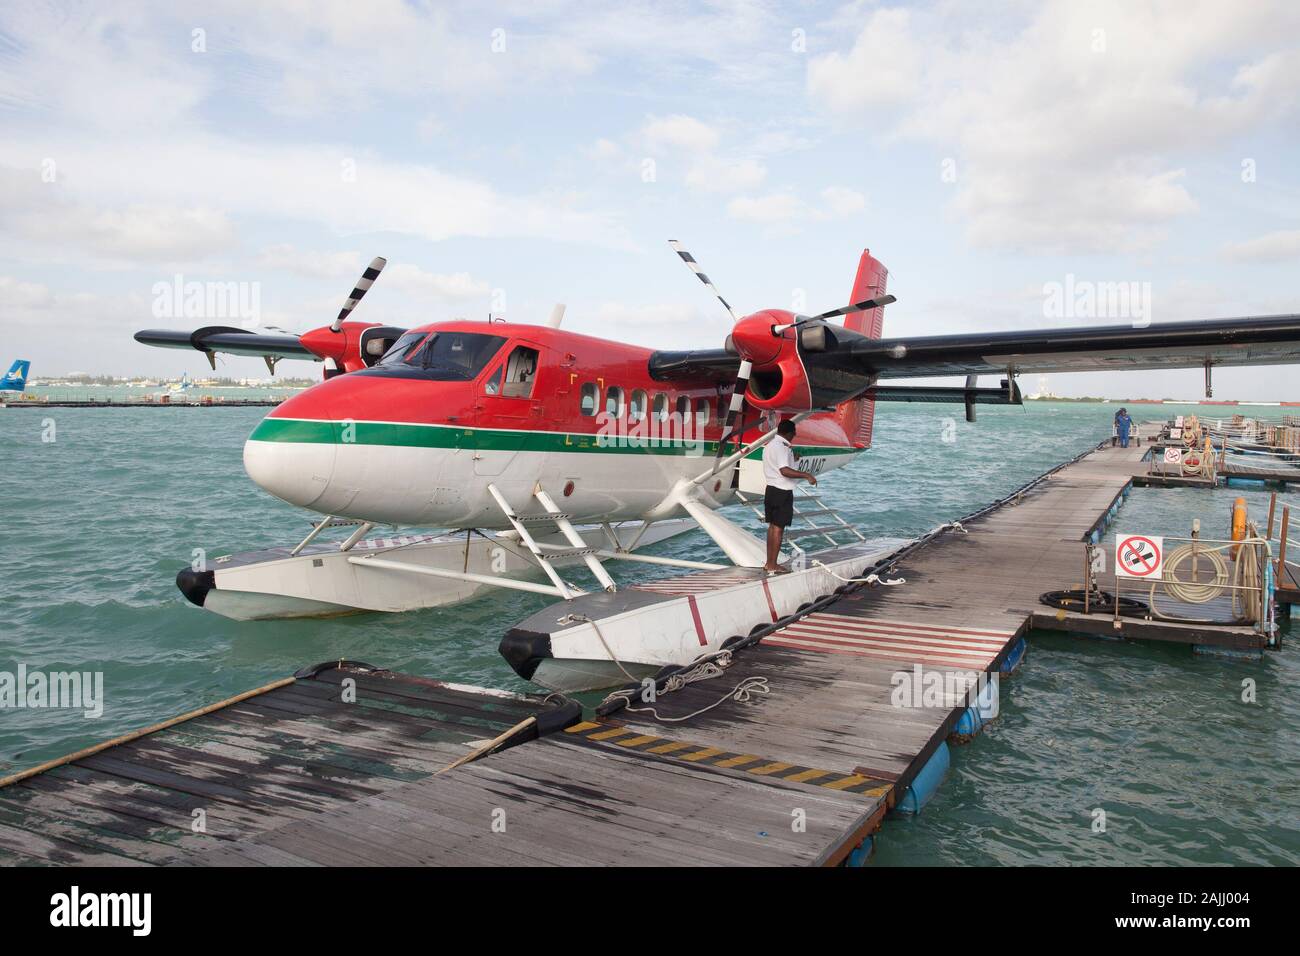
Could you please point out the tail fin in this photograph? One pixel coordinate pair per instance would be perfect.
(856, 417)
(15, 379)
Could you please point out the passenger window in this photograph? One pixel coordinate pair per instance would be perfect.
(636, 407)
(702, 412)
(614, 402)
(493, 384)
(661, 407)
(683, 408)
(521, 370)
(590, 398)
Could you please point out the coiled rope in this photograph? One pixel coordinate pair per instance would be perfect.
(1245, 578)
(704, 670)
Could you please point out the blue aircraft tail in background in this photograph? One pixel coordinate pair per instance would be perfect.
(15, 379)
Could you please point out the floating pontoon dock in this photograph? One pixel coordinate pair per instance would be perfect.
(340, 764)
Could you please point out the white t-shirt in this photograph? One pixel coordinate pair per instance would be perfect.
(777, 455)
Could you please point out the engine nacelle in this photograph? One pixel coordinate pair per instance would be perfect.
(355, 346)
(796, 368)
(778, 379)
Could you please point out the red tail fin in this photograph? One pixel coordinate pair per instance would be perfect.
(856, 417)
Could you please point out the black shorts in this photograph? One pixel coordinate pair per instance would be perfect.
(778, 506)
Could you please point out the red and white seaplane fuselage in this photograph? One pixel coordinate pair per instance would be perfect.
(409, 445)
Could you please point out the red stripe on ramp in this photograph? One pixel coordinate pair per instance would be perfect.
(699, 624)
(767, 593)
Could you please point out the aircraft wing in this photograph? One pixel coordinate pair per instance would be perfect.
(1255, 340)
(218, 338)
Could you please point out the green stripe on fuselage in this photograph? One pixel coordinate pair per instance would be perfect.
(488, 439)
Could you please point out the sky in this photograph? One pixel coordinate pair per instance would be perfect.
(505, 157)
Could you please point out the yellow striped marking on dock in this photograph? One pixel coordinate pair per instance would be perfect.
(618, 735)
(703, 753)
(607, 734)
(737, 761)
(670, 747)
(806, 775)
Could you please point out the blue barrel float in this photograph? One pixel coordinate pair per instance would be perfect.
(859, 855)
(1014, 658)
(1247, 483)
(926, 783)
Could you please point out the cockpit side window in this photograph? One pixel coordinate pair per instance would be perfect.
(521, 371)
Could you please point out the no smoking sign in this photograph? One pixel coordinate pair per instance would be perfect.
(1139, 556)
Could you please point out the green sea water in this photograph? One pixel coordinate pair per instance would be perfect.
(98, 520)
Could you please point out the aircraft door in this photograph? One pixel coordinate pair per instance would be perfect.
(508, 408)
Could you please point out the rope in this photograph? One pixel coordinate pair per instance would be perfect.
(1245, 579)
(705, 670)
(583, 619)
(869, 579)
(1193, 591)
(1248, 583)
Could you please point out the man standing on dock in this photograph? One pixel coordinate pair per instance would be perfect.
(1125, 425)
(778, 500)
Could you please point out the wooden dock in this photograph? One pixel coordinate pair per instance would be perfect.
(799, 768)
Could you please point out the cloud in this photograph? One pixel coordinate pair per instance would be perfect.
(50, 215)
(706, 170)
(110, 70)
(679, 132)
(1067, 128)
(837, 202)
(881, 69)
(160, 191)
(316, 265)
(841, 201)
(712, 174)
(1278, 246)
(455, 285)
(769, 209)
(17, 294)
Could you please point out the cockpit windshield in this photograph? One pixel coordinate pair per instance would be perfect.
(440, 356)
(403, 350)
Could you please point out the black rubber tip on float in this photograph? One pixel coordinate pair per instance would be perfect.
(315, 670)
(524, 651)
(555, 719)
(195, 585)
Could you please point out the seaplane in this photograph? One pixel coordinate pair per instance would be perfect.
(530, 450)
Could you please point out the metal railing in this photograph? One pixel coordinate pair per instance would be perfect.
(1284, 566)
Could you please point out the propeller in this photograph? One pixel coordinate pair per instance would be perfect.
(363, 286)
(778, 331)
(746, 366)
(862, 306)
